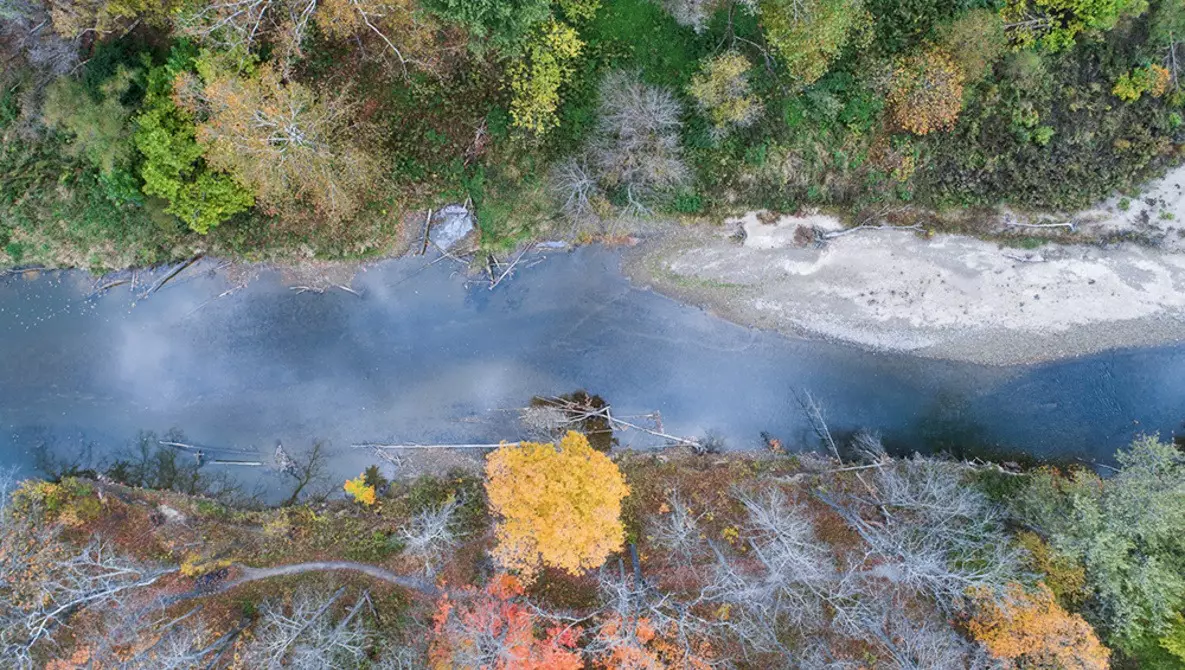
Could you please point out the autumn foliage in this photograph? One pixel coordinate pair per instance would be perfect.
(636, 643)
(283, 139)
(558, 505)
(536, 79)
(926, 93)
(1153, 80)
(808, 34)
(1065, 577)
(721, 88)
(494, 630)
(360, 491)
(1032, 630)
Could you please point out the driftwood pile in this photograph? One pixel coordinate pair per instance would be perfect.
(572, 415)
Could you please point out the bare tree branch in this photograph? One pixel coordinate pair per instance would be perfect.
(430, 534)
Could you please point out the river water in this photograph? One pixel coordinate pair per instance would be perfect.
(422, 357)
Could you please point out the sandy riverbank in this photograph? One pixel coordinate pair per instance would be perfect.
(949, 296)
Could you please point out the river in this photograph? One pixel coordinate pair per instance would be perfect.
(422, 357)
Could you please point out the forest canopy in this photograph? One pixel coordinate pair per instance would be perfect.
(135, 132)
(558, 556)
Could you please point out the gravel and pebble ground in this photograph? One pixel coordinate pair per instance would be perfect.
(943, 296)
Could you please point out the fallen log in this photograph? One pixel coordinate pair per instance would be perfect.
(194, 447)
(840, 233)
(510, 267)
(249, 574)
(1035, 258)
(619, 424)
(427, 229)
(434, 446)
(1069, 224)
(172, 273)
(21, 271)
(195, 310)
(578, 413)
(110, 285)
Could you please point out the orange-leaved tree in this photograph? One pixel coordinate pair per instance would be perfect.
(1032, 629)
(495, 630)
(926, 92)
(557, 504)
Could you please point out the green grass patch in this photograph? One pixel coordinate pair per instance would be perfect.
(511, 203)
(640, 35)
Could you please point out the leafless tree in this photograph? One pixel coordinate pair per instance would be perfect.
(625, 601)
(812, 409)
(8, 483)
(931, 533)
(431, 534)
(94, 576)
(678, 531)
(628, 601)
(574, 185)
(246, 23)
(401, 657)
(786, 579)
(305, 635)
(44, 583)
(917, 642)
(781, 531)
(637, 147)
(308, 469)
(695, 13)
(692, 13)
(16, 10)
(866, 447)
(1172, 58)
(927, 539)
(32, 55)
(29, 23)
(179, 647)
(19, 545)
(135, 637)
(818, 654)
(51, 55)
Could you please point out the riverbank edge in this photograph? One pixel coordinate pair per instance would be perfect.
(664, 238)
(641, 266)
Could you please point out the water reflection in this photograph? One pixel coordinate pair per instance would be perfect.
(420, 351)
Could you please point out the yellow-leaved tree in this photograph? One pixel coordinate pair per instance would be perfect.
(557, 504)
(361, 491)
(536, 78)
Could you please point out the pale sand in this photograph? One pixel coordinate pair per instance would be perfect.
(951, 296)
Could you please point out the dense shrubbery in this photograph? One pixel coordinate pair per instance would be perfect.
(316, 125)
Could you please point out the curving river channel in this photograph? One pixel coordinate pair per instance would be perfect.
(421, 357)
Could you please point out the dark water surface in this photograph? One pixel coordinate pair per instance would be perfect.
(420, 351)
